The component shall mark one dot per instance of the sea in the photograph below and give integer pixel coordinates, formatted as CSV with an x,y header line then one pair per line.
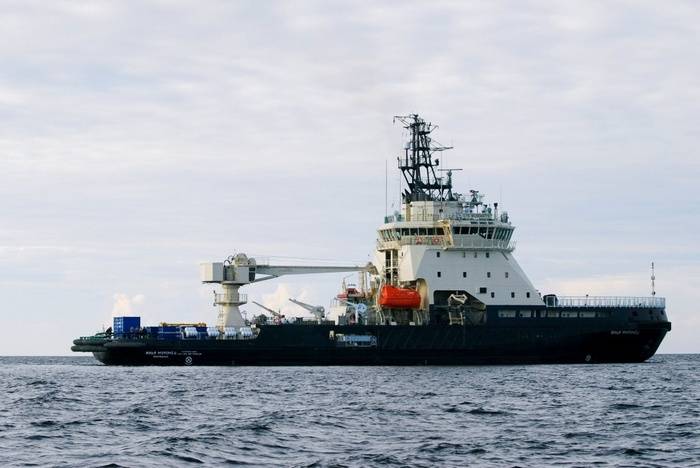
x,y
73,411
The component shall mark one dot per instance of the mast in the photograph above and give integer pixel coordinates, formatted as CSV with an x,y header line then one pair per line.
x,y
417,165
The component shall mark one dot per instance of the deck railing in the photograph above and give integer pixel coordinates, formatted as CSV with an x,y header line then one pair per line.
x,y
223,298
604,301
477,218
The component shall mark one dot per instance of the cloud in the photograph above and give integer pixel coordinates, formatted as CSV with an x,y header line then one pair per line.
x,y
130,152
125,305
279,300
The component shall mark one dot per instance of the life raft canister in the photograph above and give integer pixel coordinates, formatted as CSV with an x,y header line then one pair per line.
x,y
391,297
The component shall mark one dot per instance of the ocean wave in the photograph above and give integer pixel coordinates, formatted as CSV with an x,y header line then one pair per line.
x,y
348,416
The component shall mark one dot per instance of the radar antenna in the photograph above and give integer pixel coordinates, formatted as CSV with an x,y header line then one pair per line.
x,y
417,165
653,280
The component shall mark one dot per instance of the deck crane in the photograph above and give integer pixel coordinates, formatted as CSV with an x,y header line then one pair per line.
x,y
239,270
318,311
277,316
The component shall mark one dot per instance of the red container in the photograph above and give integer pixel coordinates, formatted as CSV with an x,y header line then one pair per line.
x,y
392,297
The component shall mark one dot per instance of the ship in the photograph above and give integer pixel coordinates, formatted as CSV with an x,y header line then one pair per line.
x,y
443,288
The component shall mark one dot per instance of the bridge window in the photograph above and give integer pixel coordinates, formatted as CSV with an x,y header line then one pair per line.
x,y
439,231
482,290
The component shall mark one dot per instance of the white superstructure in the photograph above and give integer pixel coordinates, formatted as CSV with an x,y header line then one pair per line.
x,y
458,245
443,243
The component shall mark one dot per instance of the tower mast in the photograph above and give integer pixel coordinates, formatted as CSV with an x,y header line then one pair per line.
x,y
417,165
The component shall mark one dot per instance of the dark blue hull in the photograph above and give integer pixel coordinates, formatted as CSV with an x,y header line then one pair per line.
x,y
619,337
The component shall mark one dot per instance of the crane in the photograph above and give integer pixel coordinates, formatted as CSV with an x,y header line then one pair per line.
x,y
276,315
318,311
239,270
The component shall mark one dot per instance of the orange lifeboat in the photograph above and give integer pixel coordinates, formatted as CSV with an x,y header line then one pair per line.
x,y
392,297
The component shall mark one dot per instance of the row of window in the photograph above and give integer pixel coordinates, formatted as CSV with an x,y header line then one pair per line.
x,y
396,234
552,314
503,234
483,290
485,232
464,254
464,274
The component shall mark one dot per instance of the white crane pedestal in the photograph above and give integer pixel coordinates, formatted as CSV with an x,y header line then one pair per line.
x,y
228,302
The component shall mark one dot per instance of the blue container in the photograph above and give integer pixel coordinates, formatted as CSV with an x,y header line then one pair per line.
x,y
170,336
124,325
169,333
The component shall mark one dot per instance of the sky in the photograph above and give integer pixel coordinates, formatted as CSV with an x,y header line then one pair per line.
x,y
138,139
